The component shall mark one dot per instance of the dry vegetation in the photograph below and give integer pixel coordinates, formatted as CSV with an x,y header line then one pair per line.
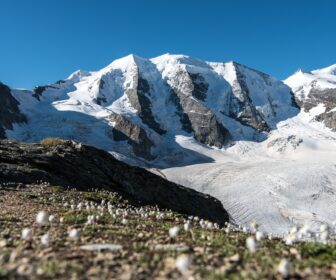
x,y
50,142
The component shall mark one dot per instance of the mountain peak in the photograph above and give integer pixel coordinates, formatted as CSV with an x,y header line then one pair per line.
x,y
330,70
78,74
125,62
179,59
302,71
233,62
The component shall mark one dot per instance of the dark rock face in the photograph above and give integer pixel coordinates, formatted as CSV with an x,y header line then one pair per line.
x,y
9,110
294,101
138,97
205,126
194,115
326,97
184,118
200,87
136,136
68,163
101,99
243,109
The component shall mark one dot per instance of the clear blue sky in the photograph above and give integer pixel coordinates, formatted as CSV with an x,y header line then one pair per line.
x,y
45,40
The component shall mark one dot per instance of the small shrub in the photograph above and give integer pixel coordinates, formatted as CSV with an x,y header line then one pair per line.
x,y
51,142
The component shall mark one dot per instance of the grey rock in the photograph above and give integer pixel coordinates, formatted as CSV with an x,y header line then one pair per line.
x,y
136,136
139,98
194,115
205,126
329,119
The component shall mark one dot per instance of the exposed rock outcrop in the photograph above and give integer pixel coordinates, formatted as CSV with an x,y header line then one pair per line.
x,y
325,97
204,124
195,116
136,136
328,118
68,163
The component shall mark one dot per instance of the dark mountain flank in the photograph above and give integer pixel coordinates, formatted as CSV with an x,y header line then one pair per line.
x,y
69,163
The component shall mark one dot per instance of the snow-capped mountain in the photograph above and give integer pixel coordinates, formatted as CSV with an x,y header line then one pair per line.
x,y
138,106
315,92
220,128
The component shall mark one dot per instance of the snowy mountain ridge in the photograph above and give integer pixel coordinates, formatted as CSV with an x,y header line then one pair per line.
x,y
264,147
167,96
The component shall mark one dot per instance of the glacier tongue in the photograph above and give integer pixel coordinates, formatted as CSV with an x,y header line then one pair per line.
x,y
287,180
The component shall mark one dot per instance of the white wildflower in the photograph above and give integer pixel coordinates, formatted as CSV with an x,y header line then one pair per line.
x,y
251,244
284,267
27,234
187,226
51,218
42,218
173,232
259,235
74,234
183,262
45,239
290,239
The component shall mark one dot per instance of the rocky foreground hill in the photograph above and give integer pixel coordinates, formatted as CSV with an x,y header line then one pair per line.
x,y
71,164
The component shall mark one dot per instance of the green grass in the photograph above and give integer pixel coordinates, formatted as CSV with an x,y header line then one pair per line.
x,y
3,273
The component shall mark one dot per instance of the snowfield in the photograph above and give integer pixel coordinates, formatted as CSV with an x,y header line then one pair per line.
x,y
219,128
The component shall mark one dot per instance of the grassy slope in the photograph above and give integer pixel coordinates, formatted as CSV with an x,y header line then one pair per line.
x,y
216,254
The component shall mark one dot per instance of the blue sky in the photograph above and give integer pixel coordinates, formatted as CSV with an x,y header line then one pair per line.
x,y
45,40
